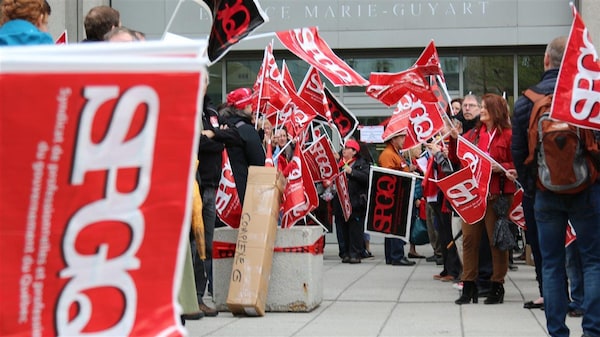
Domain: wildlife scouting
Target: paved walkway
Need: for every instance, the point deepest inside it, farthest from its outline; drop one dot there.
(375, 299)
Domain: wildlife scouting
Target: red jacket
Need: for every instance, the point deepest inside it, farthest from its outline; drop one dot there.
(498, 149)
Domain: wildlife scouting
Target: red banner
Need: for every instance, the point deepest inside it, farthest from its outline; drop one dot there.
(96, 174)
(577, 94)
(227, 202)
(225, 250)
(308, 45)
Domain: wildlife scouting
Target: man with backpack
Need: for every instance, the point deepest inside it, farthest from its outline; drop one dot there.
(555, 204)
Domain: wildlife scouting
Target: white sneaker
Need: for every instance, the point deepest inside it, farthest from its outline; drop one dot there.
(457, 285)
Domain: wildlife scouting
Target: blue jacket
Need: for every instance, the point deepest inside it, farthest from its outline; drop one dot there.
(520, 128)
(21, 33)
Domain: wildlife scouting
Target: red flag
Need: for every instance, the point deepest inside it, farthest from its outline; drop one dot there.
(95, 194)
(344, 120)
(577, 94)
(286, 78)
(463, 193)
(62, 39)
(441, 93)
(421, 120)
(312, 91)
(479, 163)
(467, 189)
(269, 156)
(299, 196)
(307, 45)
(515, 213)
(268, 86)
(428, 62)
(388, 88)
(227, 202)
(232, 21)
(571, 236)
(341, 186)
(321, 160)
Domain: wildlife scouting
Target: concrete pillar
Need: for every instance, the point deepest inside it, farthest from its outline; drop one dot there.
(590, 11)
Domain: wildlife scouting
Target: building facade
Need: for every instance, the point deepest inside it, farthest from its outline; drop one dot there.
(484, 45)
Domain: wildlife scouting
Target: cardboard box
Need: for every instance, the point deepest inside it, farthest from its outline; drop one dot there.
(296, 283)
(251, 271)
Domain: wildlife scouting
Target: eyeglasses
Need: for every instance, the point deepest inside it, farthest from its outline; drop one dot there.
(470, 105)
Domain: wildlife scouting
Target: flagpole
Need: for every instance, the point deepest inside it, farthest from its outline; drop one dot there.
(172, 18)
(318, 222)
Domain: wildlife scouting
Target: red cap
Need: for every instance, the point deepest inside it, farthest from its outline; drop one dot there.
(240, 98)
(351, 143)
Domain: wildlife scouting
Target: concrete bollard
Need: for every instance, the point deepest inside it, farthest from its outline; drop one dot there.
(296, 282)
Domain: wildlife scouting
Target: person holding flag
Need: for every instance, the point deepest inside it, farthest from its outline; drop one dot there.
(390, 158)
(356, 169)
(249, 151)
(492, 135)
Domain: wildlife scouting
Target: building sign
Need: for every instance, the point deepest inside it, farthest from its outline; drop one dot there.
(375, 23)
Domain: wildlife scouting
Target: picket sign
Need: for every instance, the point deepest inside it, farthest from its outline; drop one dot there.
(98, 147)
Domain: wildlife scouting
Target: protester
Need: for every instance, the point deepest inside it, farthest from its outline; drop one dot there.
(249, 151)
(456, 105)
(442, 213)
(121, 34)
(24, 22)
(491, 135)
(282, 151)
(99, 21)
(356, 169)
(410, 157)
(390, 158)
(553, 211)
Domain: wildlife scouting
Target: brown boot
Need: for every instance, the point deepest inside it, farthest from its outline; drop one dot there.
(208, 311)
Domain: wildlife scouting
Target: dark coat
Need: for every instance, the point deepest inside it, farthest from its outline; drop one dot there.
(520, 128)
(249, 151)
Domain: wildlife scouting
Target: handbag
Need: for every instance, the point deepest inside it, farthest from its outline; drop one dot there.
(418, 232)
(503, 237)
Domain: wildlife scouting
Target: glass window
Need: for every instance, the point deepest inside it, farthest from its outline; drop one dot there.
(451, 70)
(488, 74)
(530, 69)
(215, 83)
(241, 73)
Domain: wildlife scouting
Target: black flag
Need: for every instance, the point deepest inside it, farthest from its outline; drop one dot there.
(232, 21)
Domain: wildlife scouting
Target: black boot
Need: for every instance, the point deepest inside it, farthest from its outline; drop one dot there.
(469, 292)
(496, 294)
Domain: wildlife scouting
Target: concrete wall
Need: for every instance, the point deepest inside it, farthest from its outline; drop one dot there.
(590, 11)
(69, 14)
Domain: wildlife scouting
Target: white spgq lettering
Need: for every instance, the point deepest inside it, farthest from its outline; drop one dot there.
(112, 153)
(460, 194)
(422, 124)
(472, 159)
(585, 84)
(307, 42)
